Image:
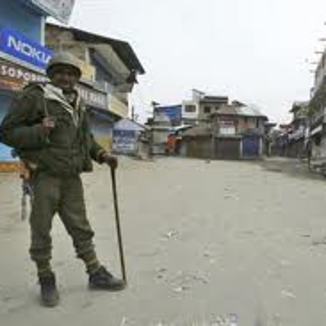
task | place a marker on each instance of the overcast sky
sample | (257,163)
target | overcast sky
(251,50)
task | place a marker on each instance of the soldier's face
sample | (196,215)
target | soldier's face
(65,78)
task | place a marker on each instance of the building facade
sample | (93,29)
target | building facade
(317,117)
(109,70)
(23,56)
(297,133)
(199,109)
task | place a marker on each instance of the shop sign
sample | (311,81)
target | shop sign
(19,47)
(93,97)
(14,77)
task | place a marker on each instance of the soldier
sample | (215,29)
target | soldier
(48,127)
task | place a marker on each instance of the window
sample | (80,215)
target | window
(190,108)
(257,123)
(207,109)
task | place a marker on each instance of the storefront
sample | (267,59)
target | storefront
(22,61)
(13,78)
(100,118)
(23,56)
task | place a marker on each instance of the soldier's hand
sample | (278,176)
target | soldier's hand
(112,161)
(48,124)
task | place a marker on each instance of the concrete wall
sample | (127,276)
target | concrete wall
(244,124)
(202,115)
(190,115)
(59,40)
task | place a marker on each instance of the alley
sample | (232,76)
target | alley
(204,241)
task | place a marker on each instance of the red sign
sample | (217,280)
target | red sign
(14,77)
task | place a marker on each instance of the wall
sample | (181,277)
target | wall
(61,40)
(214,107)
(250,123)
(190,115)
(202,115)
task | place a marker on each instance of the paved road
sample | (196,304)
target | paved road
(203,241)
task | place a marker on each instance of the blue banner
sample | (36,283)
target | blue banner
(22,48)
(173,112)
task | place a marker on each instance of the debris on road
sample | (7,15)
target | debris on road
(288,294)
(181,289)
(172,234)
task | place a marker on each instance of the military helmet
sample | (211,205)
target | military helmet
(63,59)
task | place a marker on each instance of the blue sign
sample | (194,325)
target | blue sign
(124,141)
(20,47)
(172,112)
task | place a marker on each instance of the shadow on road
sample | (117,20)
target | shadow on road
(292,167)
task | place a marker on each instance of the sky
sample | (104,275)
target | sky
(255,51)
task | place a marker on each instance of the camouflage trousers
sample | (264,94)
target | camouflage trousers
(63,196)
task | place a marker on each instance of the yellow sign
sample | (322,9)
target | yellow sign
(118,107)
(88,71)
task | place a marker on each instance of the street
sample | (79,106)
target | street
(205,242)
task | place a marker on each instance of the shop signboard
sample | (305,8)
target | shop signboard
(23,50)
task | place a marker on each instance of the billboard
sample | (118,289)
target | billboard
(19,47)
(173,112)
(14,77)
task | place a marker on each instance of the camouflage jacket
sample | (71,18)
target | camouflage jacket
(68,149)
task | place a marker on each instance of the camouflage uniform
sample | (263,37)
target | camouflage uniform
(58,159)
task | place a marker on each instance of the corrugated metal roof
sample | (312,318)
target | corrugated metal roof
(214,100)
(250,111)
(227,110)
(246,110)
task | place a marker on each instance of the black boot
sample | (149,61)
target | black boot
(104,280)
(49,292)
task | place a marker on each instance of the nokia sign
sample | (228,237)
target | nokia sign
(20,47)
